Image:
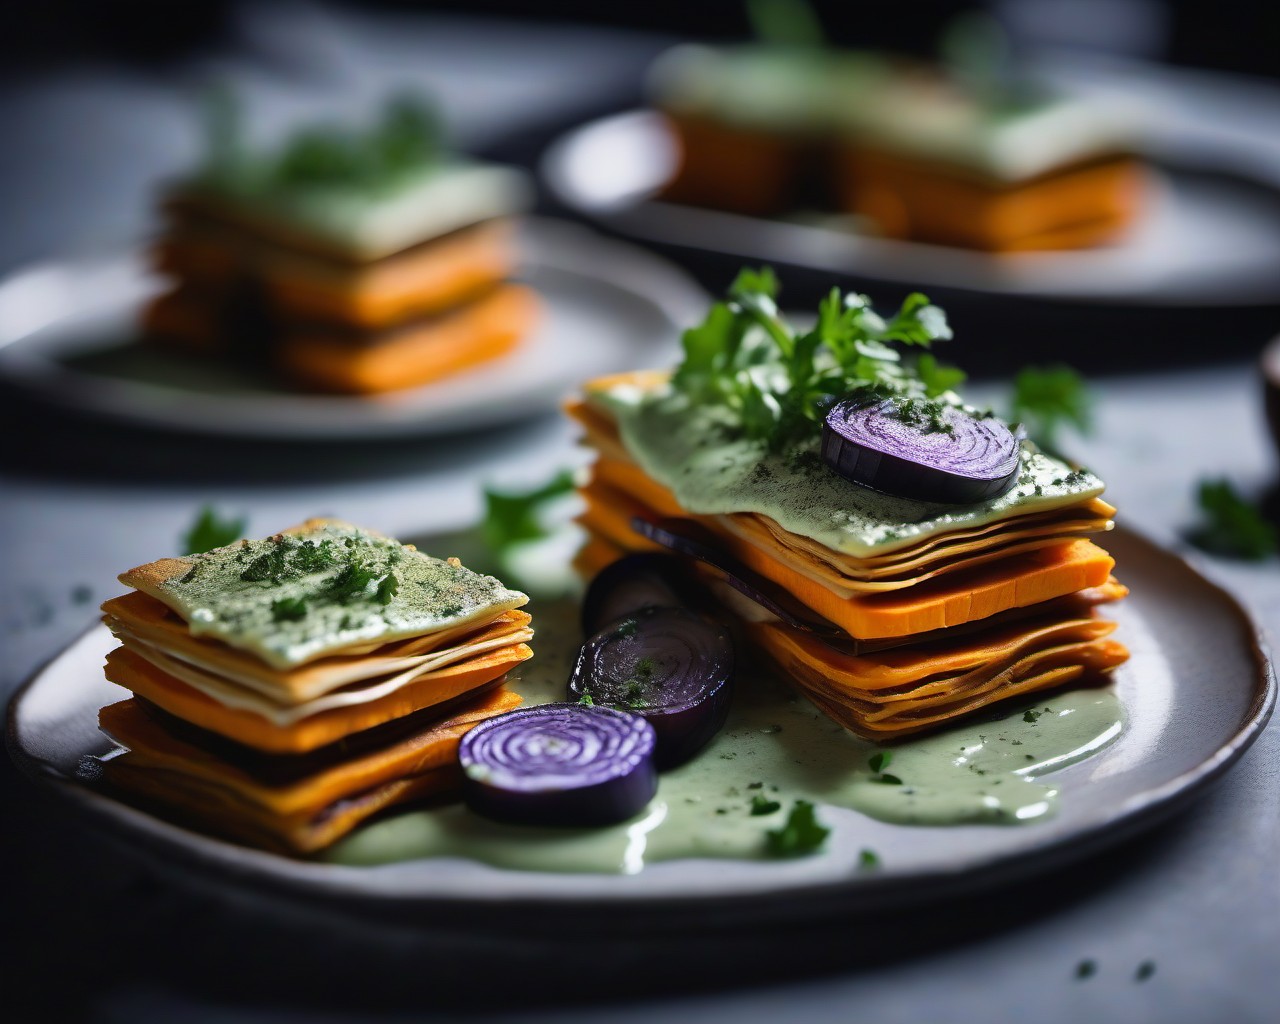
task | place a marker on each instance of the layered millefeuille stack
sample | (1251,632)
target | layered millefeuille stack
(286,689)
(345,277)
(950,611)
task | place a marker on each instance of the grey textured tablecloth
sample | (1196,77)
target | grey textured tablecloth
(91,932)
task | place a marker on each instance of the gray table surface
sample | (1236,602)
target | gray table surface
(1200,900)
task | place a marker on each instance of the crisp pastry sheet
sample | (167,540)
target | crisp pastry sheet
(138,619)
(128,669)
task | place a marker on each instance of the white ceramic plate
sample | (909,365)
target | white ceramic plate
(1197,243)
(1197,691)
(66,328)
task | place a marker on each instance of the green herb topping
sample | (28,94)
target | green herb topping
(802,833)
(211,531)
(512,518)
(777,382)
(1045,399)
(868,860)
(405,141)
(288,609)
(1231,525)
(761,805)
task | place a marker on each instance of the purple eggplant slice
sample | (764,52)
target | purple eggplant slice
(668,665)
(926,450)
(559,764)
(647,580)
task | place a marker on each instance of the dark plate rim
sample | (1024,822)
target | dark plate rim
(160,841)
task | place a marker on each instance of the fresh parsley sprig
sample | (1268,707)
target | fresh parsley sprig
(1231,525)
(1048,398)
(777,382)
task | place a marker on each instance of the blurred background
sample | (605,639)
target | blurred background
(100,106)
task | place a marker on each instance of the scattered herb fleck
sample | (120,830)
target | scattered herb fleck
(82,593)
(802,833)
(288,609)
(1086,968)
(879,761)
(388,587)
(586,701)
(761,805)
(868,860)
(1145,970)
(1031,716)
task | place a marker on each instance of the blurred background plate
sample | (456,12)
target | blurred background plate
(68,332)
(1203,259)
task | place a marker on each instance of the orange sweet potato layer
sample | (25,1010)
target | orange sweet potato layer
(474,334)
(152,746)
(127,669)
(909,199)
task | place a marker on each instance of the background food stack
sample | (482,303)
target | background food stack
(282,730)
(350,262)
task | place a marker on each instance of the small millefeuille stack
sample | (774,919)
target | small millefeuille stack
(350,263)
(286,689)
(940,609)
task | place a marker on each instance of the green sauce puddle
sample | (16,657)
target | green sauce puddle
(775,745)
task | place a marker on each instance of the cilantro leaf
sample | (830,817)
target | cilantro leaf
(1045,399)
(762,805)
(211,531)
(514,517)
(1232,526)
(802,833)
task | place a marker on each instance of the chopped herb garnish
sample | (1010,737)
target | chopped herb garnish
(388,587)
(1145,970)
(802,833)
(288,609)
(1045,399)
(880,761)
(351,583)
(886,779)
(777,382)
(761,805)
(516,517)
(586,701)
(868,860)
(1031,716)
(755,785)
(1086,969)
(1231,525)
(211,531)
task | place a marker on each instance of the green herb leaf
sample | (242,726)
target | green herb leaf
(388,587)
(1045,399)
(785,23)
(802,833)
(351,583)
(211,531)
(887,780)
(587,701)
(1031,716)
(761,805)
(288,609)
(1231,525)
(880,760)
(777,382)
(515,517)
(868,860)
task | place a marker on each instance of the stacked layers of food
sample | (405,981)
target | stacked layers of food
(286,689)
(916,151)
(903,558)
(349,263)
